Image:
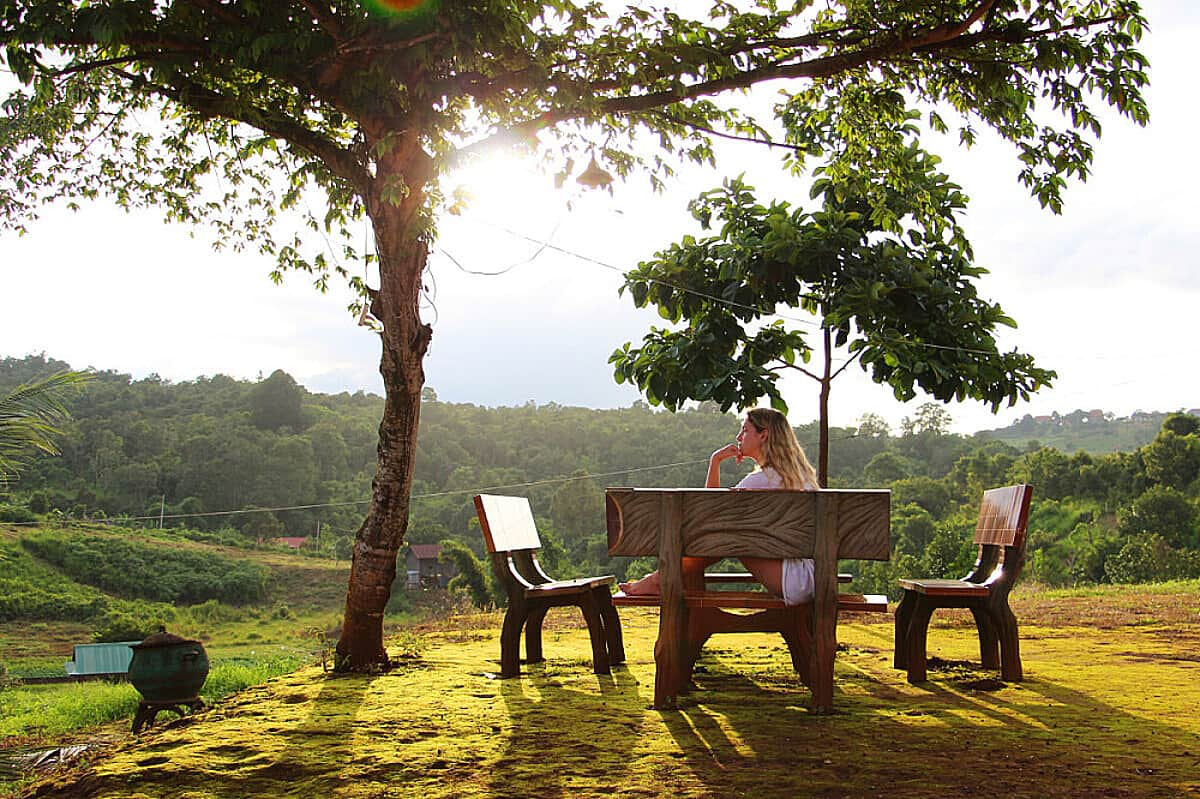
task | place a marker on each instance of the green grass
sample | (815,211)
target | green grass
(43,713)
(1169,587)
(238,674)
(53,711)
(36,667)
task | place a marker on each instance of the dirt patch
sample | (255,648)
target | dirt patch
(985,684)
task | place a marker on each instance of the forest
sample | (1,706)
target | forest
(246,462)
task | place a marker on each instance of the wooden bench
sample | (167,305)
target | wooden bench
(512,541)
(824,525)
(1000,534)
(708,613)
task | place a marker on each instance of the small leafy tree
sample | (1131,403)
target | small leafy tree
(1150,559)
(885,468)
(275,402)
(1181,424)
(1172,460)
(930,419)
(1164,512)
(888,278)
(472,578)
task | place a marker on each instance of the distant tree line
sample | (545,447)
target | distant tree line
(210,455)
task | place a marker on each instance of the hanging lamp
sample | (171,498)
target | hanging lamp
(595,176)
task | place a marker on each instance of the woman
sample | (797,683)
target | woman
(768,440)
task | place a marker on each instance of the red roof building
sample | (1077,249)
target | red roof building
(425,569)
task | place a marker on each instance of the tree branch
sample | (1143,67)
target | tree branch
(952,30)
(849,361)
(481,86)
(112,62)
(992,34)
(722,135)
(942,37)
(223,13)
(803,371)
(370,44)
(324,16)
(210,103)
(796,42)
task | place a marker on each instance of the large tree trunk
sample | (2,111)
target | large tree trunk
(402,248)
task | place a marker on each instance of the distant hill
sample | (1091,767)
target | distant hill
(1094,431)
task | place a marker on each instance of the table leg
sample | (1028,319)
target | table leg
(669,654)
(825,607)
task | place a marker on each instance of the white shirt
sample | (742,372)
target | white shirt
(767,478)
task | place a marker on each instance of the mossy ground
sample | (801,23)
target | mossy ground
(1110,707)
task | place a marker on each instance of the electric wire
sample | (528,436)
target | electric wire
(543,246)
(430,495)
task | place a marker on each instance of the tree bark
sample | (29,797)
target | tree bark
(402,248)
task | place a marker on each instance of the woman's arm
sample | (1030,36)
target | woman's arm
(714,464)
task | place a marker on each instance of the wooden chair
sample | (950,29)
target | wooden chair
(1000,535)
(512,540)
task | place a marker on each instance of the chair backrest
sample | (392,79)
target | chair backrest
(507,523)
(1003,516)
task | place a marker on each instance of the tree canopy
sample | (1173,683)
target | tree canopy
(228,112)
(899,299)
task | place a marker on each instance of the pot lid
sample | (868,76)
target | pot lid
(162,638)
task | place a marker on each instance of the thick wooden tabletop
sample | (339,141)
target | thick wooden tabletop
(719,522)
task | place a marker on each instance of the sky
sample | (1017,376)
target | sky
(1104,294)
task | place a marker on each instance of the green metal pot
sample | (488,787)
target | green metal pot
(168,668)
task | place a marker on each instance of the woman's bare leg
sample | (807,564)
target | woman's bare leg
(769,572)
(693,578)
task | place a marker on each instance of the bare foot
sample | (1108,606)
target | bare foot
(647,586)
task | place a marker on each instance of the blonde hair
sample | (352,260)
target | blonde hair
(781,451)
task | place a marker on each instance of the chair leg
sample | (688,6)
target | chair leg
(612,626)
(533,634)
(1010,642)
(918,630)
(904,613)
(510,639)
(595,623)
(989,642)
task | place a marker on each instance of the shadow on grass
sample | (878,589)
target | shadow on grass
(751,732)
(566,741)
(271,750)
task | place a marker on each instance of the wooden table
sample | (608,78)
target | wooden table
(823,525)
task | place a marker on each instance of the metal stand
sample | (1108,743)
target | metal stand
(148,710)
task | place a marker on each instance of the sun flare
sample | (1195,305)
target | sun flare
(507,187)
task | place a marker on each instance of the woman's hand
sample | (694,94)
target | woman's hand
(726,452)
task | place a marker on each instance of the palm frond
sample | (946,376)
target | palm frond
(31,416)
